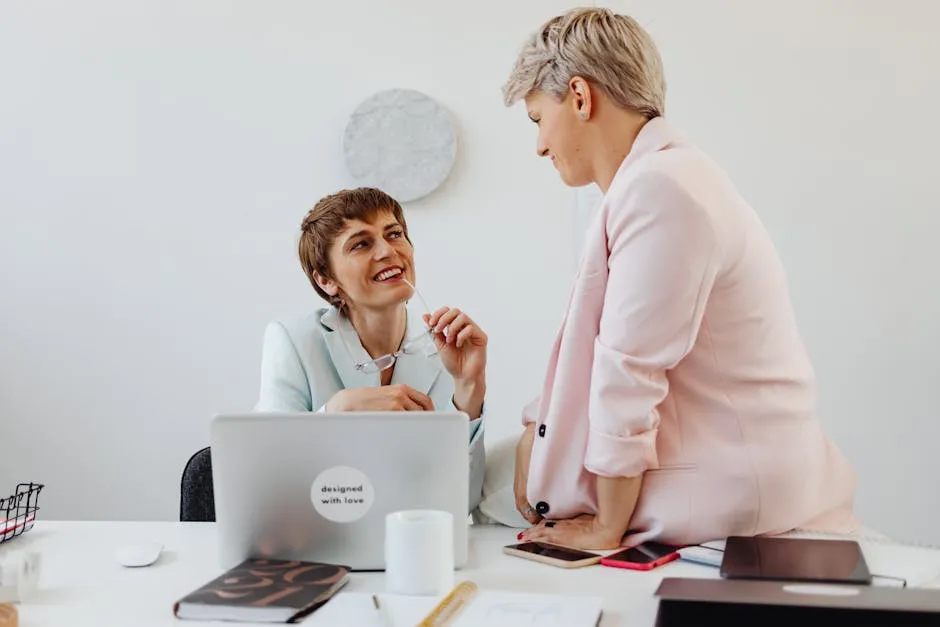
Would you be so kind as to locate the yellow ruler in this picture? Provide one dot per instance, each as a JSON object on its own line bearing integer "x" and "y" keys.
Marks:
{"x": 447, "y": 610}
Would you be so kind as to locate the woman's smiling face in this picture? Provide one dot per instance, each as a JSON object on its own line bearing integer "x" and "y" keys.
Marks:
{"x": 368, "y": 262}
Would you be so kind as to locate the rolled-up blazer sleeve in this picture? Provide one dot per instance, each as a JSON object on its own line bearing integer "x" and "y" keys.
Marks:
{"x": 662, "y": 265}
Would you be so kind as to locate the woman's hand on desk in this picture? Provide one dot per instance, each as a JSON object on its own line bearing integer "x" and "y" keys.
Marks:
{"x": 583, "y": 532}
{"x": 396, "y": 397}
{"x": 616, "y": 501}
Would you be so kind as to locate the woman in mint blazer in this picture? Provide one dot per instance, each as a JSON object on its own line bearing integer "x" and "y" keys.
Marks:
{"x": 368, "y": 351}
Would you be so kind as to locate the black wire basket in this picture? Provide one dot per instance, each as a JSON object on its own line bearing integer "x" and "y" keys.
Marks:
{"x": 18, "y": 511}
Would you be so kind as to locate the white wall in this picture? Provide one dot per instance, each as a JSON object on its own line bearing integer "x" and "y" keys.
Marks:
{"x": 157, "y": 158}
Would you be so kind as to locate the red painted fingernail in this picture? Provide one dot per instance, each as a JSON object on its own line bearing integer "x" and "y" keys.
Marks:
{"x": 519, "y": 537}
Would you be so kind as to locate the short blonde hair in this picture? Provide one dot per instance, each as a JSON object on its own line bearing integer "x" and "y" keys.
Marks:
{"x": 610, "y": 50}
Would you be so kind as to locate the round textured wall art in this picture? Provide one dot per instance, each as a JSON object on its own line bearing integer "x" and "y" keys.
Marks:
{"x": 402, "y": 142}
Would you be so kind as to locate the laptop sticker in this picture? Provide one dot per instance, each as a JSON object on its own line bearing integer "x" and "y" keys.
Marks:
{"x": 342, "y": 494}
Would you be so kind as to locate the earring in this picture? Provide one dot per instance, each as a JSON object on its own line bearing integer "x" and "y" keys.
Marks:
{"x": 583, "y": 115}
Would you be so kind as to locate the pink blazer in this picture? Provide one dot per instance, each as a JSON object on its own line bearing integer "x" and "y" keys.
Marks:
{"x": 679, "y": 359}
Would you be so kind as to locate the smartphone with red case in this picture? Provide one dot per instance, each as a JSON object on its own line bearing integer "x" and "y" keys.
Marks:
{"x": 646, "y": 556}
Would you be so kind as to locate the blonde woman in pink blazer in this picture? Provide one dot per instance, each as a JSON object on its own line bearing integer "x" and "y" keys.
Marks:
{"x": 679, "y": 402}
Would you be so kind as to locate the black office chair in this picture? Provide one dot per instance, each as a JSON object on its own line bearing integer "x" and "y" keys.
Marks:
{"x": 197, "y": 500}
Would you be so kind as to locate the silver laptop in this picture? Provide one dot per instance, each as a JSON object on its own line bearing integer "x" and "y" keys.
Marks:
{"x": 317, "y": 486}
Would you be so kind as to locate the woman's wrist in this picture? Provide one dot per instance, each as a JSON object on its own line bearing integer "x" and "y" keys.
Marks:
{"x": 335, "y": 403}
{"x": 469, "y": 395}
{"x": 616, "y": 500}
{"x": 610, "y": 532}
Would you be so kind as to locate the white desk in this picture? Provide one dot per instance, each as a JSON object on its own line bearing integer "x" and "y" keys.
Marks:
{"x": 82, "y": 585}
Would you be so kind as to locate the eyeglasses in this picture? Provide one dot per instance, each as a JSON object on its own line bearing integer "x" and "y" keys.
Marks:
{"x": 422, "y": 344}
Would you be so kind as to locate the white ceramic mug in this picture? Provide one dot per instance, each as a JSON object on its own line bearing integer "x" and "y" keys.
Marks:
{"x": 419, "y": 552}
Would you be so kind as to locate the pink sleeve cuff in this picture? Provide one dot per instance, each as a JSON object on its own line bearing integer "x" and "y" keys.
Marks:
{"x": 612, "y": 456}
{"x": 529, "y": 412}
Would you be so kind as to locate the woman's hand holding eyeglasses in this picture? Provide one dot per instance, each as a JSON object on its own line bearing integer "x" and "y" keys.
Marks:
{"x": 462, "y": 347}
{"x": 398, "y": 397}
{"x": 460, "y": 342}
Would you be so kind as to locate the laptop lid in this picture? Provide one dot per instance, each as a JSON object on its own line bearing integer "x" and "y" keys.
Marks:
{"x": 693, "y": 601}
{"x": 317, "y": 486}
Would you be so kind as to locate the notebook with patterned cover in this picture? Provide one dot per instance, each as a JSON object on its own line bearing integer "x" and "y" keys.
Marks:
{"x": 264, "y": 590}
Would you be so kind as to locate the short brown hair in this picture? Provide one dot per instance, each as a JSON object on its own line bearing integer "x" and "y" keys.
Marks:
{"x": 610, "y": 50}
{"x": 328, "y": 218}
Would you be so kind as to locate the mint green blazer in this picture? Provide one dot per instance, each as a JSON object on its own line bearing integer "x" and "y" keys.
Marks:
{"x": 305, "y": 362}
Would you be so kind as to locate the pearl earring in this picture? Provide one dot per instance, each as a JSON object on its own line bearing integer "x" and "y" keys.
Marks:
{"x": 583, "y": 115}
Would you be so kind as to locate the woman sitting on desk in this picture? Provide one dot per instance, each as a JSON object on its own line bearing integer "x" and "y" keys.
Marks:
{"x": 679, "y": 402}
{"x": 367, "y": 352}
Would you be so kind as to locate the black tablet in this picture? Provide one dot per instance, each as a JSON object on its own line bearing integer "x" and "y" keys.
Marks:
{"x": 794, "y": 559}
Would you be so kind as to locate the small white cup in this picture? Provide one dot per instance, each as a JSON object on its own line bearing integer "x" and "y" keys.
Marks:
{"x": 19, "y": 576}
{"x": 419, "y": 552}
